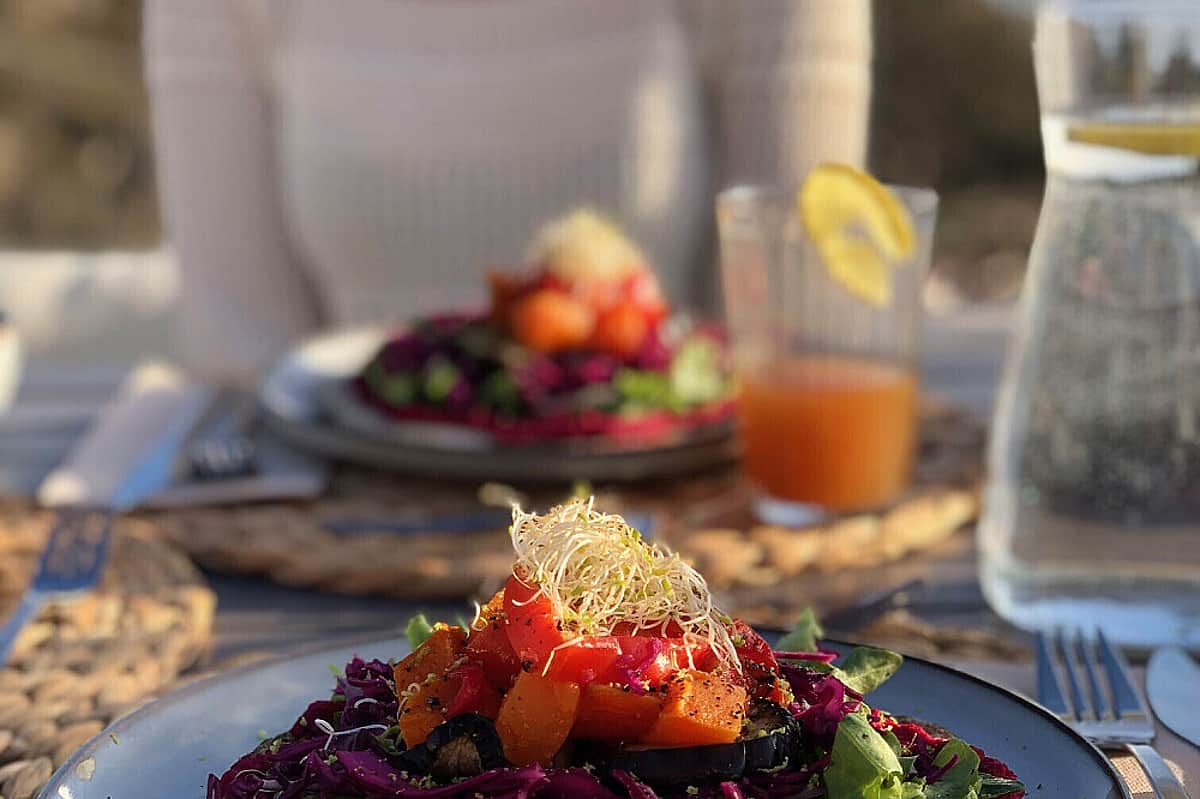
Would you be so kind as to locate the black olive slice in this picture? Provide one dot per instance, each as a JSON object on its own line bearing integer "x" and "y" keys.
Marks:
{"x": 464, "y": 746}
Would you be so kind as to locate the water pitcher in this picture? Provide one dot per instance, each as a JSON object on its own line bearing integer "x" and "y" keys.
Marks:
{"x": 1092, "y": 510}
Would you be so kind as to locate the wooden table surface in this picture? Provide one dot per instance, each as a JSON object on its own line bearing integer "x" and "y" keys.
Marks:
{"x": 963, "y": 360}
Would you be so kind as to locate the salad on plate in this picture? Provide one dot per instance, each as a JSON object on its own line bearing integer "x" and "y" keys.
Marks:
{"x": 603, "y": 669}
{"x": 581, "y": 343}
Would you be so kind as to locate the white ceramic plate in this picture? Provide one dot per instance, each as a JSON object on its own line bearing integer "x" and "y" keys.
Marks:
{"x": 169, "y": 748}
{"x": 305, "y": 399}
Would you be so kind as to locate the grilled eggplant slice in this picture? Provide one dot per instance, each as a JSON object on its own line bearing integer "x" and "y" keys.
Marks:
{"x": 770, "y": 737}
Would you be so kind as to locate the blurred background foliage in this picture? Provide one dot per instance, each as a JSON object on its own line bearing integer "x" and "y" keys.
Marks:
{"x": 955, "y": 108}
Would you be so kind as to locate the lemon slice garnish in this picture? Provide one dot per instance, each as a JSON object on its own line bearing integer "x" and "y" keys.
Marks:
{"x": 859, "y": 228}
{"x": 1149, "y": 139}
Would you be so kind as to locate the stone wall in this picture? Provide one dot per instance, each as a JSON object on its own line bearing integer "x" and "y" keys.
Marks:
{"x": 75, "y": 162}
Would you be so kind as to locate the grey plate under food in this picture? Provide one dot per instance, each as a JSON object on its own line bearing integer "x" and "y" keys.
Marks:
{"x": 169, "y": 747}
{"x": 305, "y": 399}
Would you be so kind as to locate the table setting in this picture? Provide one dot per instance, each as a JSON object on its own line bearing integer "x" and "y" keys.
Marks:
{"x": 586, "y": 541}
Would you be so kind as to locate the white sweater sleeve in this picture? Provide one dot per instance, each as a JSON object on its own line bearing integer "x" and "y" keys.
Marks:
{"x": 789, "y": 83}
{"x": 243, "y": 298}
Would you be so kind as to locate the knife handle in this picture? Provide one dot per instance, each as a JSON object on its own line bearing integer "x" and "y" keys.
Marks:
{"x": 1166, "y": 784}
{"x": 22, "y": 614}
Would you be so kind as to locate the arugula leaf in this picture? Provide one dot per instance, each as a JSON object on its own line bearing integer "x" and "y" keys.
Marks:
{"x": 913, "y": 790}
{"x": 803, "y": 637}
{"x": 418, "y": 630}
{"x": 866, "y": 668}
{"x": 862, "y": 765}
{"x": 863, "y": 670}
{"x": 993, "y": 787}
{"x": 962, "y": 780}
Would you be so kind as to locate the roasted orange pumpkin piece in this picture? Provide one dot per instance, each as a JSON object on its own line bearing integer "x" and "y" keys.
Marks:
{"x": 549, "y": 321}
{"x": 613, "y": 713}
{"x": 424, "y": 707}
{"x": 441, "y": 650}
{"x": 699, "y": 708}
{"x": 535, "y": 718}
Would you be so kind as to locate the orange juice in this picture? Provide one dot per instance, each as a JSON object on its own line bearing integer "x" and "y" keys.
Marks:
{"x": 833, "y": 431}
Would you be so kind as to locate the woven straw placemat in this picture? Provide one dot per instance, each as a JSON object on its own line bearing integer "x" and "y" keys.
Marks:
{"x": 82, "y": 663}
{"x": 707, "y": 518}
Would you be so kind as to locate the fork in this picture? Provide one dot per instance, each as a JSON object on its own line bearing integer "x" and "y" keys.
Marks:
{"x": 221, "y": 446}
{"x": 71, "y": 563}
{"x": 1101, "y": 701}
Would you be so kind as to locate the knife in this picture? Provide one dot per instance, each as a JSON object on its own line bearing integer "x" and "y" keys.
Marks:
{"x": 129, "y": 451}
{"x": 1173, "y": 687}
{"x": 123, "y": 458}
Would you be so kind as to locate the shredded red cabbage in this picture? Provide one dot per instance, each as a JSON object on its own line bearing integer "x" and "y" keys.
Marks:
{"x": 821, "y": 702}
{"x": 338, "y": 748}
{"x": 820, "y": 656}
{"x": 632, "y": 668}
{"x": 521, "y": 396}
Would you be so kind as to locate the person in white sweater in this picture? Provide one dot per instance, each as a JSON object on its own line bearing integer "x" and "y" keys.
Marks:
{"x": 328, "y": 163}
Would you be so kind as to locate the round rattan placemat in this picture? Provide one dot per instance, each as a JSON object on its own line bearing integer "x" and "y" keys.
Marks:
{"x": 707, "y": 518}
{"x": 84, "y": 662}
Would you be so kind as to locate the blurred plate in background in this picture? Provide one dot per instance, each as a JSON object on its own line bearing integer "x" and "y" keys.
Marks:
{"x": 306, "y": 398}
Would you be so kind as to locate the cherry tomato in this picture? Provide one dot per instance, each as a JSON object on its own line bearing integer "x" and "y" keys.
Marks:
{"x": 620, "y": 331}
{"x": 550, "y": 321}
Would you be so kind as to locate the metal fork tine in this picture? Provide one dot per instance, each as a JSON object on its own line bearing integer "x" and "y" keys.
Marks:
{"x": 1087, "y": 656}
{"x": 1127, "y": 702}
{"x": 1130, "y": 730}
{"x": 1049, "y": 684}
{"x": 1083, "y": 710}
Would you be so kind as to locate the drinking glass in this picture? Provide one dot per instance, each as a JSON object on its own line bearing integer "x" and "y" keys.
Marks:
{"x": 828, "y": 382}
{"x": 1091, "y": 513}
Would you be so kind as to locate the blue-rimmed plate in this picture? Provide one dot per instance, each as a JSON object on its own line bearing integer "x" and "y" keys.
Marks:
{"x": 168, "y": 748}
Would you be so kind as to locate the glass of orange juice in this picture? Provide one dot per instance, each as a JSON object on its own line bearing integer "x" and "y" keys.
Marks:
{"x": 822, "y": 289}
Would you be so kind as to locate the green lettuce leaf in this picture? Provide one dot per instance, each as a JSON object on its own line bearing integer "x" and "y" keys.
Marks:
{"x": 440, "y": 377}
{"x": 863, "y": 670}
{"x": 862, "y": 764}
{"x": 695, "y": 372}
{"x": 962, "y": 781}
{"x": 804, "y": 635}
{"x": 641, "y": 390}
{"x": 866, "y": 668}
{"x": 993, "y": 787}
{"x": 418, "y": 630}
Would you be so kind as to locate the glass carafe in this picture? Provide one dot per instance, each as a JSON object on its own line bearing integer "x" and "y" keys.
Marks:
{"x": 1092, "y": 509}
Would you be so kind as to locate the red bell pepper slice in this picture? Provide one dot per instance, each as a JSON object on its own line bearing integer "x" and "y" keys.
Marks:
{"x": 533, "y": 630}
